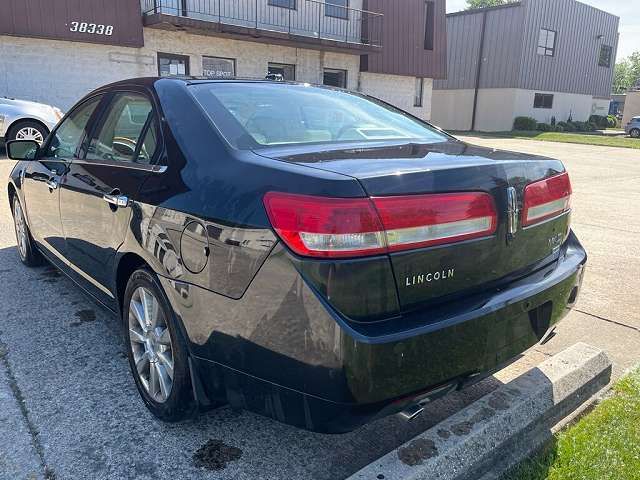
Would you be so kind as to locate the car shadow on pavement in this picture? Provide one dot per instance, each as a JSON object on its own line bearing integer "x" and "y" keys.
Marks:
{"x": 69, "y": 361}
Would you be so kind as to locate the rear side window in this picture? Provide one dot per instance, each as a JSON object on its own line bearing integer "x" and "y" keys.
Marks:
{"x": 254, "y": 115}
{"x": 127, "y": 132}
{"x": 67, "y": 138}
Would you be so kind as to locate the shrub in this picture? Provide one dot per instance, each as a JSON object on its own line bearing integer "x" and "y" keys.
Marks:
{"x": 599, "y": 120}
{"x": 553, "y": 121}
{"x": 559, "y": 128}
{"x": 581, "y": 126}
{"x": 568, "y": 127}
{"x": 591, "y": 127}
{"x": 612, "y": 121}
{"x": 544, "y": 127}
{"x": 525, "y": 123}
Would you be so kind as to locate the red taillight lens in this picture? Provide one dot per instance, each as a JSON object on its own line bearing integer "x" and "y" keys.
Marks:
{"x": 354, "y": 227}
{"x": 546, "y": 199}
{"x": 326, "y": 227}
{"x": 425, "y": 220}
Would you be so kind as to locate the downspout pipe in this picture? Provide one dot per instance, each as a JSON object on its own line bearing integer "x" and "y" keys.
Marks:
{"x": 478, "y": 71}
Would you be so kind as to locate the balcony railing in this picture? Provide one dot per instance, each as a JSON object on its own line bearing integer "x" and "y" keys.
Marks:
{"x": 306, "y": 18}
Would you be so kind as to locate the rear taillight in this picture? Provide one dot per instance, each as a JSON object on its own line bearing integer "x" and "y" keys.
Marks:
{"x": 426, "y": 220}
{"x": 546, "y": 199}
{"x": 355, "y": 227}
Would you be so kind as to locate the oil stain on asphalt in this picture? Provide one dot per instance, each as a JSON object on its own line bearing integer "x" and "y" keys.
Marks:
{"x": 50, "y": 275}
{"x": 215, "y": 454}
{"x": 83, "y": 316}
{"x": 418, "y": 451}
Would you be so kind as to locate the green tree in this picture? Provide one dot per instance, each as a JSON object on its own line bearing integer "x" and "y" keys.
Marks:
{"x": 627, "y": 73}
{"x": 486, "y": 3}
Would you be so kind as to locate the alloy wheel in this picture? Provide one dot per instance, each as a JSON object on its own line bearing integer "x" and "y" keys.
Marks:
{"x": 30, "y": 133}
{"x": 21, "y": 229}
{"x": 151, "y": 346}
{"x": 635, "y": 133}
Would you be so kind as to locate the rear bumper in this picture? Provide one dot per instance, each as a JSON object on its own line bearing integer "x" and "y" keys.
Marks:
{"x": 300, "y": 363}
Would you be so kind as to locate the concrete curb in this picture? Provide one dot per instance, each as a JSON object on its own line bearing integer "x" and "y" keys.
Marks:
{"x": 502, "y": 428}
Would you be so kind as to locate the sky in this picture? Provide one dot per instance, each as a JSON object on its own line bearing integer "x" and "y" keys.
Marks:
{"x": 627, "y": 10}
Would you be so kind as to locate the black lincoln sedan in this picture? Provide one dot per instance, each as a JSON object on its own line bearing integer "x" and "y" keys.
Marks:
{"x": 307, "y": 253}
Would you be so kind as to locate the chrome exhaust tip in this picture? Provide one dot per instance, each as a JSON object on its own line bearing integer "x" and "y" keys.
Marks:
{"x": 412, "y": 412}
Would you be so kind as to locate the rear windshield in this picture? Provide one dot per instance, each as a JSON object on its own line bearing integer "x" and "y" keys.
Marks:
{"x": 255, "y": 115}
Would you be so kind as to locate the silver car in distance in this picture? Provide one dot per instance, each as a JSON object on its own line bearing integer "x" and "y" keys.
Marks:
{"x": 25, "y": 120}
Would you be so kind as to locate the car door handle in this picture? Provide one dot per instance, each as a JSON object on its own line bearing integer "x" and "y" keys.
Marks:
{"x": 52, "y": 183}
{"x": 116, "y": 200}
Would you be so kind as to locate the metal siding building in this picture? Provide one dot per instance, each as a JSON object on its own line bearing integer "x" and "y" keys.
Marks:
{"x": 512, "y": 71}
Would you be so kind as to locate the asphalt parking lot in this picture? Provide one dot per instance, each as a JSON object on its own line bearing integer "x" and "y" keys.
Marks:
{"x": 69, "y": 409}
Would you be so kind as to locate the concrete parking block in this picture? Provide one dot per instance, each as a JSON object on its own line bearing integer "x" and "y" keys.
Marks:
{"x": 502, "y": 428}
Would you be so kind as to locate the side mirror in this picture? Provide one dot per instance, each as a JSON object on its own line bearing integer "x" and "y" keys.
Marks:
{"x": 22, "y": 149}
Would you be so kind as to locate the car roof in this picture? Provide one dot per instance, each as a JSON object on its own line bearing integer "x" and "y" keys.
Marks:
{"x": 191, "y": 80}
{"x": 150, "y": 82}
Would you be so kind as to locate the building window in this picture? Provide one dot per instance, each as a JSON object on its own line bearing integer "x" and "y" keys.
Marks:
{"x": 218, "y": 67}
{"x": 291, "y": 4}
{"x": 429, "y": 25}
{"x": 547, "y": 43}
{"x": 543, "y": 100}
{"x": 606, "y": 52}
{"x": 419, "y": 93}
{"x": 335, "y": 78}
{"x": 336, "y": 8}
{"x": 170, "y": 65}
{"x": 285, "y": 71}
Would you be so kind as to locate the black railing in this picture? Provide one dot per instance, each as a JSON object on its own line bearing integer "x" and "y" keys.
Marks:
{"x": 308, "y": 18}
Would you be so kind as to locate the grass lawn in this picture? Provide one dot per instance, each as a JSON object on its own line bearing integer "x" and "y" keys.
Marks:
{"x": 603, "y": 140}
{"x": 603, "y": 445}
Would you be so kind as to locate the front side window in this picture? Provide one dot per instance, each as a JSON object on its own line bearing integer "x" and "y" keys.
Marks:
{"x": 543, "y": 100}
{"x": 335, "y": 78}
{"x": 256, "y": 115}
{"x": 67, "y": 138}
{"x": 336, "y": 8}
{"x": 283, "y": 3}
{"x": 170, "y": 65}
{"x": 606, "y": 52}
{"x": 129, "y": 120}
{"x": 282, "y": 70}
{"x": 547, "y": 42}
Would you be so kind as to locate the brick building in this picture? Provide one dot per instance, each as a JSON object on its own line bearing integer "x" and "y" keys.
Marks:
{"x": 57, "y": 51}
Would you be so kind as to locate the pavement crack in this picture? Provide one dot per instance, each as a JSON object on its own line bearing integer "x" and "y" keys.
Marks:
{"x": 49, "y": 474}
{"x": 546, "y": 354}
{"x": 630, "y": 327}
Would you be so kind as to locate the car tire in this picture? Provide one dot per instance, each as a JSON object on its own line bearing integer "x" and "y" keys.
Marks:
{"x": 157, "y": 353}
{"x": 635, "y": 133}
{"x": 27, "y": 130}
{"x": 29, "y": 254}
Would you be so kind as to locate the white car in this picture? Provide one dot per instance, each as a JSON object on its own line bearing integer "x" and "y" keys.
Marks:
{"x": 25, "y": 120}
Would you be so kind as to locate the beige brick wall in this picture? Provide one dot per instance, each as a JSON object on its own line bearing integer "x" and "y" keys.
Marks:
{"x": 399, "y": 91}
{"x": 60, "y": 73}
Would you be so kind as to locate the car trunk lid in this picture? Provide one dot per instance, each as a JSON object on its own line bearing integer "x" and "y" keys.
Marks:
{"x": 444, "y": 272}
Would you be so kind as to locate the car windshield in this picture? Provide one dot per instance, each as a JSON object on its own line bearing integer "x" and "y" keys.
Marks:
{"x": 255, "y": 115}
